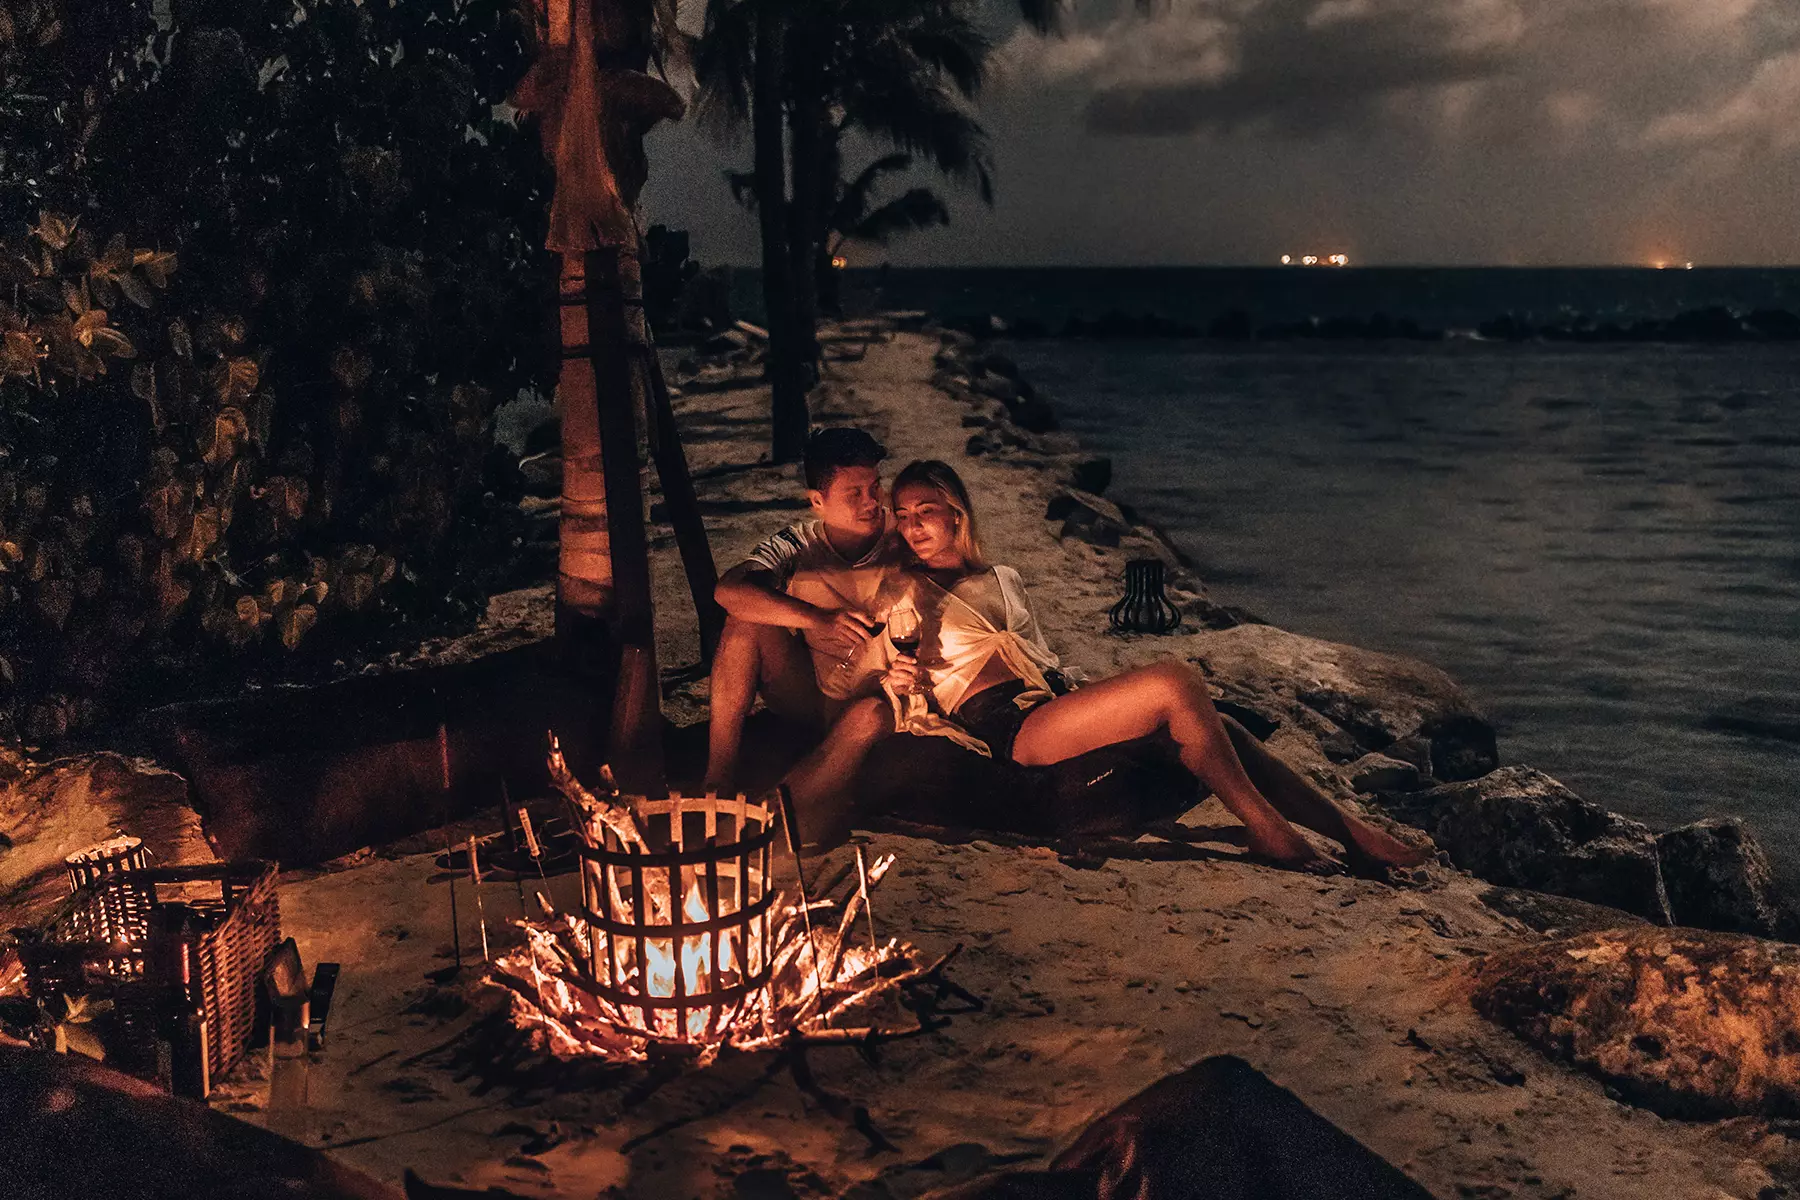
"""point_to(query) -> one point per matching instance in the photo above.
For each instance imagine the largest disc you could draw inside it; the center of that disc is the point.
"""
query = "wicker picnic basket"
(101, 940)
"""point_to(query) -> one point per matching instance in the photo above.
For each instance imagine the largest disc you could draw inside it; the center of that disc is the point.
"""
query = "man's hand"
(843, 633)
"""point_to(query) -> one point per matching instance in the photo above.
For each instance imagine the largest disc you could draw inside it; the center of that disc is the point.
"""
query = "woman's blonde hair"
(942, 478)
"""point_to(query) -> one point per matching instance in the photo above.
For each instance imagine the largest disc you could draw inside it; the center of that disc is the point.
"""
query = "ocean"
(1601, 542)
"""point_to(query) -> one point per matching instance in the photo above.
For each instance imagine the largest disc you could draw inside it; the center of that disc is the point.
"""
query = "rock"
(1686, 1023)
(1379, 700)
(1520, 828)
(1035, 415)
(982, 443)
(1718, 877)
(1462, 747)
(997, 363)
(51, 811)
(1005, 390)
(1341, 748)
(1379, 773)
(1087, 517)
(957, 338)
(1415, 750)
(1559, 916)
(1091, 475)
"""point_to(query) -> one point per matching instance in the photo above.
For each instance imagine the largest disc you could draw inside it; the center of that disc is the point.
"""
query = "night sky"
(1397, 131)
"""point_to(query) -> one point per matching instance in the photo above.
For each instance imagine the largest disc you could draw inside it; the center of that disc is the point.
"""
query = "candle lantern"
(1144, 609)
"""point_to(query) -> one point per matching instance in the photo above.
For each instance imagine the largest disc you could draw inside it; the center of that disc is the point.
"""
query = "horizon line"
(1672, 267)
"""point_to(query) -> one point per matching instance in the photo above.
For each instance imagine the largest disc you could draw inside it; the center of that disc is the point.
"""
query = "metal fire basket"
(714, 848)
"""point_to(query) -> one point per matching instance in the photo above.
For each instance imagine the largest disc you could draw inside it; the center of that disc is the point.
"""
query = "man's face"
(851, 501)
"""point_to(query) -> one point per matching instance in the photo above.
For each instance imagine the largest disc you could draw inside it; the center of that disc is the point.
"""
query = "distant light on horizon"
(1315, 260)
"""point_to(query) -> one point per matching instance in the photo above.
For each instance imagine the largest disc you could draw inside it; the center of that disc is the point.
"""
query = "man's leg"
(750, 659)
(820, 782)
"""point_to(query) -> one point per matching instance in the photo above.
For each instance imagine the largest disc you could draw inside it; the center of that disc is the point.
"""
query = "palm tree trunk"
(584, 571)
(788, 391)
(826, 279)
(805, 231)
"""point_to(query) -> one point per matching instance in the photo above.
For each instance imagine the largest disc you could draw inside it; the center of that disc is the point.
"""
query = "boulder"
(1381, 701)
(1005, 390)
(1687, 1023)
(1088, 517)
(1461, 746)
(1091, 475)
(997, 363)
(1034, 414)
(1718, 877)
(1520, 828)
(1379, 773)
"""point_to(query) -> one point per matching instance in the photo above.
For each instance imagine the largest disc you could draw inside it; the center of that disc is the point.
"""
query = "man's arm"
(748, 592)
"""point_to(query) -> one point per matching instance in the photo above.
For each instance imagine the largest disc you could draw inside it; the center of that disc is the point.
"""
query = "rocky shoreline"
(1431, 764)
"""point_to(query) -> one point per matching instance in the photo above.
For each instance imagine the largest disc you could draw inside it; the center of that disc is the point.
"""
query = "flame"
(696, 964)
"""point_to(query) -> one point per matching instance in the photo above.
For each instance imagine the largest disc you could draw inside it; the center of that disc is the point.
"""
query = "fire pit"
(678, 939)
(682, 942)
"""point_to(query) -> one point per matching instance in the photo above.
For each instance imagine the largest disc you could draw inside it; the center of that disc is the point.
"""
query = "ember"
(733, 964)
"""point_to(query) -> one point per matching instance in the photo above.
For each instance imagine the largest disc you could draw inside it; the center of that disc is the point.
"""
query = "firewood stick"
(443, 740)
(518, 876)
(616, 817)
(862, 871)
(480, 906)
(793, 844)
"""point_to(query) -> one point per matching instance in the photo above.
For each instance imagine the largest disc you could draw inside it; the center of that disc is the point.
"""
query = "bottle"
(183, 1055)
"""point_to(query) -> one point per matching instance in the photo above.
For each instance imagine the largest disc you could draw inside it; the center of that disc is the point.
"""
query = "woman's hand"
(904, 675)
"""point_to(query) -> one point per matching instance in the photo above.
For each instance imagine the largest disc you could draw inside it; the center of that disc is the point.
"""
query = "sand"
(1094, 982)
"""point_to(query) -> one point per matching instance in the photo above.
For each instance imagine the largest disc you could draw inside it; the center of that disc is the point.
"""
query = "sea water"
(1601, 543)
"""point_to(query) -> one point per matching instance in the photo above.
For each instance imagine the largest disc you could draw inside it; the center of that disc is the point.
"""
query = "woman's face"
(928, 524)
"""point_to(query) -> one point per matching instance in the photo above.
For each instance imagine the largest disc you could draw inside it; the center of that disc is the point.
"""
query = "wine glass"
(903, 630)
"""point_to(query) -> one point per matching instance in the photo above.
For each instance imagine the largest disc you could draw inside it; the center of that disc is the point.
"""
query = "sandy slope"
(1096, 982)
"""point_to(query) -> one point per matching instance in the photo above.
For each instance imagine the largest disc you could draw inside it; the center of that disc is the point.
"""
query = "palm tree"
(898, 71)
(856, 217)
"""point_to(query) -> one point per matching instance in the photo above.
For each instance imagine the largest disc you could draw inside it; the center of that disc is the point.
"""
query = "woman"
(986, 687)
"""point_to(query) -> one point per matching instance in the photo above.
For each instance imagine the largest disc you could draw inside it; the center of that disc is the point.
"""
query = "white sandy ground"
(1096, 982)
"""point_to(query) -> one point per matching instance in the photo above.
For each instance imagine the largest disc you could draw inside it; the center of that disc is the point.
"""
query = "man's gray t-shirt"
(807, 567)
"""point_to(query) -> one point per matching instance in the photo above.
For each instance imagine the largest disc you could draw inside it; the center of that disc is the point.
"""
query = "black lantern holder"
(1144, 609)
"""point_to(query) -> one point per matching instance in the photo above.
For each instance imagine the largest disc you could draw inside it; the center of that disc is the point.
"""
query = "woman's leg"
(1295, 797)
(1141, 702)
(820, 782)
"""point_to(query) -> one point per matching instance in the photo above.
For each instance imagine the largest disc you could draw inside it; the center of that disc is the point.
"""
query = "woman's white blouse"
(961, 629)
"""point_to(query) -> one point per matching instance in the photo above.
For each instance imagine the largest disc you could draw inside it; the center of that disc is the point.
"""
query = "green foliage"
(281, 454)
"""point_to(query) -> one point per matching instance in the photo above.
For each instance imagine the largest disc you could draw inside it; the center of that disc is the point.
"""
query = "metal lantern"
(1144, 609)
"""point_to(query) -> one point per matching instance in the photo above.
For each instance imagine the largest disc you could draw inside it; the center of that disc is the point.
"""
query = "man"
(798, 609)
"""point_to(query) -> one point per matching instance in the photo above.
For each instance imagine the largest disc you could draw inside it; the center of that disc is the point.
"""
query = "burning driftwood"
(682, 940)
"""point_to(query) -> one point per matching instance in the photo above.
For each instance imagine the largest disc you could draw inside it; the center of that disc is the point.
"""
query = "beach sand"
(1094, 982)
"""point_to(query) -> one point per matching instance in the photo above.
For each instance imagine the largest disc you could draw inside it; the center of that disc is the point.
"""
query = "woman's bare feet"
(1287, 849)
(1370, 847)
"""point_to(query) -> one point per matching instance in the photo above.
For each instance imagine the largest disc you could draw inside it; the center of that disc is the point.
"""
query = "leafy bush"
(281, 454)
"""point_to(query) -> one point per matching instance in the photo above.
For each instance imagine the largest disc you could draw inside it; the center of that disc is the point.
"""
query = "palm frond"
(853, 200)
(723, 58)
(931, 126)
(917, 208)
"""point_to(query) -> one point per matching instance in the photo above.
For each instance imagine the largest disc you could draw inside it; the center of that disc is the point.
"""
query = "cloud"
(1609, 68)
(1764, 113)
